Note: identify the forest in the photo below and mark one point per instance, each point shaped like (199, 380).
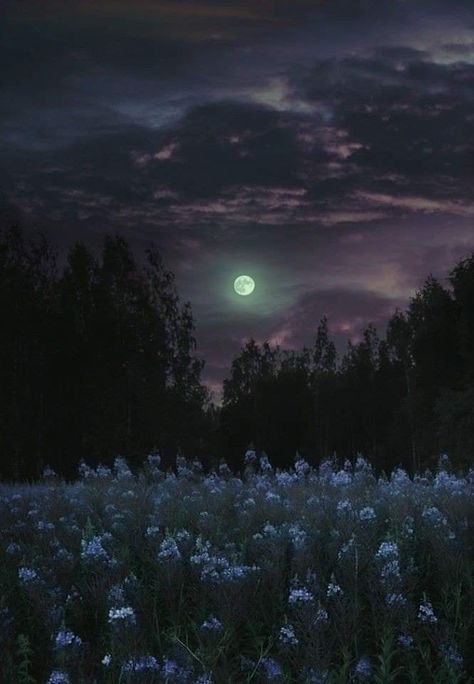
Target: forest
(98, 360)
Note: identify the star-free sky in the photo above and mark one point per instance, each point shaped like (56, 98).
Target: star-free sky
(326, 148)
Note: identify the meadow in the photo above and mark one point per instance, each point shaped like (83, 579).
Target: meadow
(325, 575)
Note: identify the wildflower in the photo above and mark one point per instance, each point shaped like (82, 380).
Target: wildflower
(300, 596)
(367, 513)
(58, 677)
(171, 670)
(140, 664)
(341, 479)
(106, 660)
(272, 670)
(93, 549)
(286, 479)
(154, 459)
(408, 526)
(212, 624)
(183, 536)
(27, 575)
(204, 679)
(64, 555)
(12, 549)
(103, 472)
(321, 616)
(346, 548)
(297, 536)
(67, 638)
(85, 471)
(250, 457)
(391, 570)
(394, 600)
(270, 531)
(399, 479)
(169, 550)
(449, 483)
(344, 506)
(426, 613)
(121, 469)
(387, 551)
(116, 594)
(362, 465)
(405, 641)
(224, 470)
(288, 636)
(451, 657)
(434, 516)
(265, 465)
(124, 614)
(302, 468)
(236, 572)
(363, 668)
(334, 590)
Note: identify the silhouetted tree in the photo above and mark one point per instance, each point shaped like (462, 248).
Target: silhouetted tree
(399, 400)
(96, 362)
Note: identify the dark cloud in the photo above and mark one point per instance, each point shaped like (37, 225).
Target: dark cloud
(409, 115)
(225, 144)
(327, 147)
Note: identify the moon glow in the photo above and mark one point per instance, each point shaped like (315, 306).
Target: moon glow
(244, 285)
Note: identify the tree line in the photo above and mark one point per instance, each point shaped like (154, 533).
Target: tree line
(400, 400)
(97, 359)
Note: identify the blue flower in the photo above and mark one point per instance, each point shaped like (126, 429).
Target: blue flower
(387, 551)
(58, 677)
(426, 613)
(169, 550)
(334, 590)
(288, 636)
(173, 672)
(212, 625)
(93, 549)
(67, 638)
(141, 664)
(27, 575)
(300, 596)
(451, 657)
(405, 641)
(126, 614)
(363, 668)
(272, 670)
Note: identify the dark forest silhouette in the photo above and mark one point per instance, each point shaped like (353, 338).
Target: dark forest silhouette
(99, 361)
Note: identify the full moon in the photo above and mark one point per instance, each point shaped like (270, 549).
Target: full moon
(244, 285)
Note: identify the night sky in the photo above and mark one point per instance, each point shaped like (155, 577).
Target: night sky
(324, 148)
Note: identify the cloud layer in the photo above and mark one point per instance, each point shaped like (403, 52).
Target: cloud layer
(327, 146)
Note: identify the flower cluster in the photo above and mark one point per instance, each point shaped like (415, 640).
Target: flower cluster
(265, 576)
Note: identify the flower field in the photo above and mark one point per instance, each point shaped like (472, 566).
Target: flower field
(327, 575)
